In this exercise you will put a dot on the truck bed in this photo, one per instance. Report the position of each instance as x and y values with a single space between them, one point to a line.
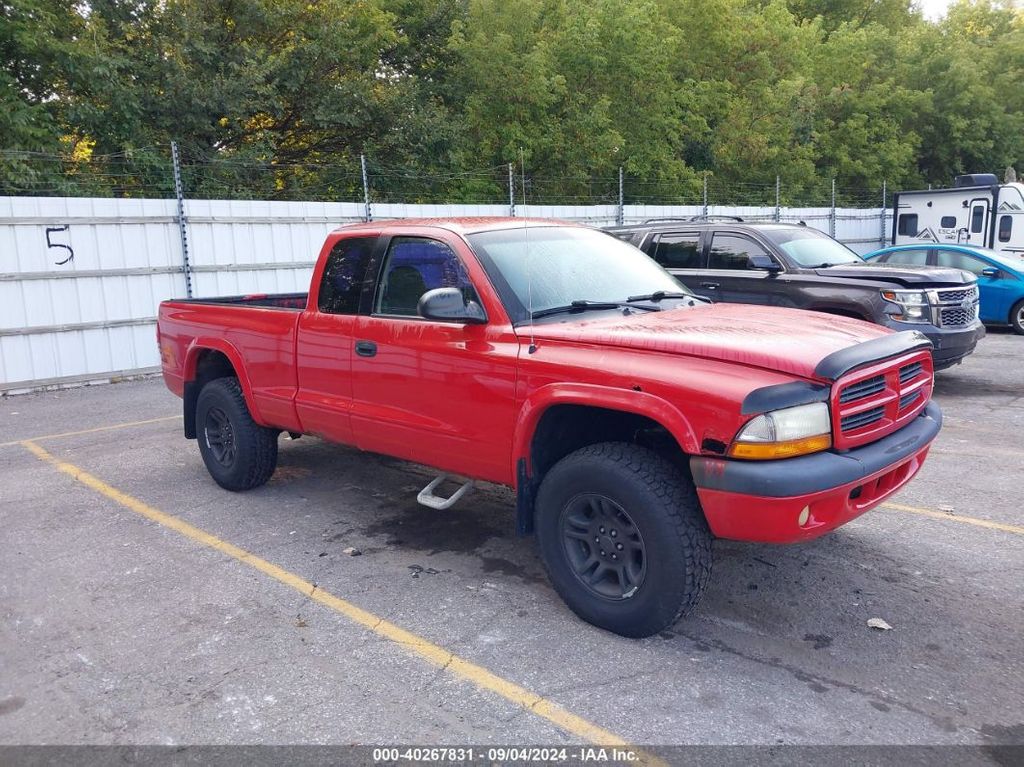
256 333
292 301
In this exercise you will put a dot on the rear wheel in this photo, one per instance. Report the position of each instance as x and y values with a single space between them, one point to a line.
239 453
623 538
1017 318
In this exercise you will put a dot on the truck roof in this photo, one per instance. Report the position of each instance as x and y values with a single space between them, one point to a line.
459 225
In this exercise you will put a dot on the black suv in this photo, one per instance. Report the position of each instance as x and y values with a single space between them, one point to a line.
796 266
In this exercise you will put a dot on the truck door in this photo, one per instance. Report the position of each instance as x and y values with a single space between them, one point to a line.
440 393
326 332
977 228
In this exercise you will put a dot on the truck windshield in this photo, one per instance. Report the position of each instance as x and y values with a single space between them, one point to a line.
538 268
810 248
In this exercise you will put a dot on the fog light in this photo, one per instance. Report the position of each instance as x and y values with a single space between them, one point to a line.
804 516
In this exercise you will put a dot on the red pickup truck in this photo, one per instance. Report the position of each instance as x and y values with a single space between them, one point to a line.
635 421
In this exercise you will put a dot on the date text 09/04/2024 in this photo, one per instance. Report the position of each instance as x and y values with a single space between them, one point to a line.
504 754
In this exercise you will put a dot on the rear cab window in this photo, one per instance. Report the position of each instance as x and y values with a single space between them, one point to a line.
341 285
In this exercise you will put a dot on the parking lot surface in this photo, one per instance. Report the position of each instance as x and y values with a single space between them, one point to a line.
122 624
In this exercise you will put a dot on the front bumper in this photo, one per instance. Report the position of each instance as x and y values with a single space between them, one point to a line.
950 345
761 501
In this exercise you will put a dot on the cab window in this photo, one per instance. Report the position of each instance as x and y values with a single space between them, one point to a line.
344 273
678 250
413 266
730 251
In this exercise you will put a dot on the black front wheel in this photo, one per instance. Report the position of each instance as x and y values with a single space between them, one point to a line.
239 453
623 538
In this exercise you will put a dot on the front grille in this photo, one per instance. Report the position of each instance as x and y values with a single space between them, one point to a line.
862 389
860 420
878 399
957 307
956 295
957 316
910 372
909 399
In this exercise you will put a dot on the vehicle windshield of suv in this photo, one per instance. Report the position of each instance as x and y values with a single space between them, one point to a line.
810 248
540 268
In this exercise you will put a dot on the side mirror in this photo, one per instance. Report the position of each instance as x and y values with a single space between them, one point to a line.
991 272
764 263
448 305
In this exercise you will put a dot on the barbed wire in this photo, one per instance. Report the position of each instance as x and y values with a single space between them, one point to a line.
148 172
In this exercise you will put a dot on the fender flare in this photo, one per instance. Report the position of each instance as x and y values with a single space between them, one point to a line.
625 400
192 353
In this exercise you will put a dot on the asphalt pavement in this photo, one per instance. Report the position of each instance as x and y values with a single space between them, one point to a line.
121 624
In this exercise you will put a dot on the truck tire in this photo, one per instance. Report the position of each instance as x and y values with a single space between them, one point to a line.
1017 318
239 453
623 538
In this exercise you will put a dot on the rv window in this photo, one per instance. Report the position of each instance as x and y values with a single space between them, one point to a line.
948 222
977 218
1005 227
907 225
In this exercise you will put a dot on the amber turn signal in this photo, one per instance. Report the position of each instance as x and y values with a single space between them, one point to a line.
763 451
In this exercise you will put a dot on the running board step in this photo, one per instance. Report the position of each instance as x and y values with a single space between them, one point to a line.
428 499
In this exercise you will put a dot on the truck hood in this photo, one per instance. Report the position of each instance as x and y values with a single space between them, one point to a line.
904 275
784 340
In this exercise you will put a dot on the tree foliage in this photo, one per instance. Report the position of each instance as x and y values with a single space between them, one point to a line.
280 97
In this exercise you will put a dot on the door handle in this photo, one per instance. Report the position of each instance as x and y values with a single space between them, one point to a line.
366 348
710 285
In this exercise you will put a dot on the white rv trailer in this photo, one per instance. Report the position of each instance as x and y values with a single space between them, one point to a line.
977 210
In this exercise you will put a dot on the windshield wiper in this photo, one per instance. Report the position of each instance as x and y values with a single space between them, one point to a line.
657 296
582 306
834 263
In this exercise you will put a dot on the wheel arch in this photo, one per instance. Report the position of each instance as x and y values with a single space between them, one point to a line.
207 360
1015 308
561 418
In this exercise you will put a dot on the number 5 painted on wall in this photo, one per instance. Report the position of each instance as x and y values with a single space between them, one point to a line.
52 229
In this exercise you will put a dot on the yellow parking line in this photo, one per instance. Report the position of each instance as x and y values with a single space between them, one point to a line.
1016 529
459 667
127 425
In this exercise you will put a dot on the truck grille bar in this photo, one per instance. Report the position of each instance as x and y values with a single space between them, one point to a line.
955 307
878 399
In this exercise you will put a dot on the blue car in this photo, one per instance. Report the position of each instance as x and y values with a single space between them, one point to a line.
1000 278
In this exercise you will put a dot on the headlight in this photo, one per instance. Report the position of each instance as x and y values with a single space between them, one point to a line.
785 433
913 304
